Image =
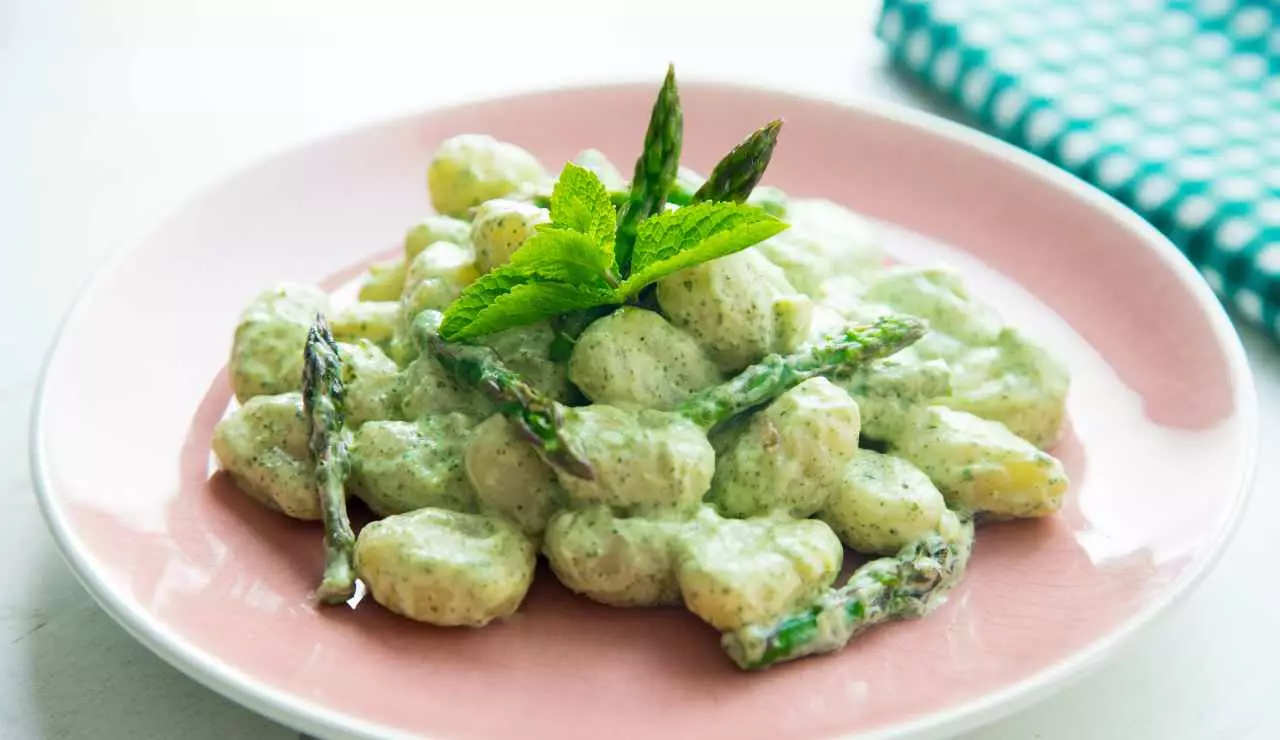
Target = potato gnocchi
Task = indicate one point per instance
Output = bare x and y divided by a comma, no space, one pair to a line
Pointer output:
721,439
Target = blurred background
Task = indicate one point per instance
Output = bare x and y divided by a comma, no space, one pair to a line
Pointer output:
113,112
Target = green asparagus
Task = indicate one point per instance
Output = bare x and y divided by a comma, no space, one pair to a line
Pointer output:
655,169
776,374
908,585
322,402
735,176
538,419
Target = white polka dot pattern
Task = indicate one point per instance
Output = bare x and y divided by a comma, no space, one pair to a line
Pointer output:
1269,212
1194,212
1234,233
1155,191
1269,259
1213,278
1249,304
946,68
1169,105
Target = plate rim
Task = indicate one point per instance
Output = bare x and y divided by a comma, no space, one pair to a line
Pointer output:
315,719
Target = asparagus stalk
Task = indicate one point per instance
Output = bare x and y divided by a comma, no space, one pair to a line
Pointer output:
538,419
776,374
909,585
736,175
655,169
322,401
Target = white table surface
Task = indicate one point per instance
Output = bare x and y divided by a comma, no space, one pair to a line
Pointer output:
114,111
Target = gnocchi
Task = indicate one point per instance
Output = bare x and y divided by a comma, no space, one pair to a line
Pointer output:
712,432
470,169
446,568
735,572
791,454
739,308
635,358
402,466
266,354
263,446
620,561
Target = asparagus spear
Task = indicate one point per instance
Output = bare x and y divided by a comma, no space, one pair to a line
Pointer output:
735,176
655,169
908,585
322,402
776,374
538,419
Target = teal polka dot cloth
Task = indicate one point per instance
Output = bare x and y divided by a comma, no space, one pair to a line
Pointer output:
1171,106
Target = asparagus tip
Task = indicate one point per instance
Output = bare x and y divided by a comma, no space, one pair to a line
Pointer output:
556,446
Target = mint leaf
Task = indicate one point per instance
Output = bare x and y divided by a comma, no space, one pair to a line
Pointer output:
674,240
557,253
526,302
556,270
580,202
476,298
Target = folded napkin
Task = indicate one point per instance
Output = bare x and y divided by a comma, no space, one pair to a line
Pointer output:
1172,107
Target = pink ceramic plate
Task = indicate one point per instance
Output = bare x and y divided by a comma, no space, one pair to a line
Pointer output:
1159,450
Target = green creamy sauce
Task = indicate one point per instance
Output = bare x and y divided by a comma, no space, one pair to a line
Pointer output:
740,308
266,353
446,567
622,561
263,445
634,358
509,478
746,523
790,455
399,466
644,460
734,572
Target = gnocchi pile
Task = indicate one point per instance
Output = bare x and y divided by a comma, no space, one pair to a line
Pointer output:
744,519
